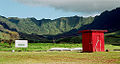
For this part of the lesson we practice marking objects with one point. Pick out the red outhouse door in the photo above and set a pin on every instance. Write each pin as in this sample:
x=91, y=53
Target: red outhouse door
x=93, y=40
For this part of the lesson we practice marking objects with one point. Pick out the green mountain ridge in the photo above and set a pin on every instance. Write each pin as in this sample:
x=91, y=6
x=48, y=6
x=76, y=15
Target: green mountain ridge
x=45, y=26
x=33, y=29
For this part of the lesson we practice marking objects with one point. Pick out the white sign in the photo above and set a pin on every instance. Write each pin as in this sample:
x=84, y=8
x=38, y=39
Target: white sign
x=21, y=43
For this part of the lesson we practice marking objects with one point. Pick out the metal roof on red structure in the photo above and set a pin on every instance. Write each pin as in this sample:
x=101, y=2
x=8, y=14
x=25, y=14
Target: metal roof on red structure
x=93, y=31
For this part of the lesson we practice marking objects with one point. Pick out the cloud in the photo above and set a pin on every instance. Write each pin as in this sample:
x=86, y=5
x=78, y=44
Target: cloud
x=85, y=6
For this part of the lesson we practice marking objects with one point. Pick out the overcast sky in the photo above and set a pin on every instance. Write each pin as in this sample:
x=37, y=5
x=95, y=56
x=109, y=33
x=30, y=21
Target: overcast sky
x=55, y=8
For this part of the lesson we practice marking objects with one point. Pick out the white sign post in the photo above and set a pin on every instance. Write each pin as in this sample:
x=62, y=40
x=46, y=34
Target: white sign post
x=21, y=43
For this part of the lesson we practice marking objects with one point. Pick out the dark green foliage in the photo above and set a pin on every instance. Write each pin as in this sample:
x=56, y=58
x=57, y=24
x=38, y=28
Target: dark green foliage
x=112, y=40
x=75, y=39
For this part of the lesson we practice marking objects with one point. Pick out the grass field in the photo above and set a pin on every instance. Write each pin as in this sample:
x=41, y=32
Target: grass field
x=47, y=46
x=59, y=58
x=38, y=46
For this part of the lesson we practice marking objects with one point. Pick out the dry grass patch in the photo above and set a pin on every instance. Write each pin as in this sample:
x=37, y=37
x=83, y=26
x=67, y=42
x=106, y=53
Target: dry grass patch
x=59, y=58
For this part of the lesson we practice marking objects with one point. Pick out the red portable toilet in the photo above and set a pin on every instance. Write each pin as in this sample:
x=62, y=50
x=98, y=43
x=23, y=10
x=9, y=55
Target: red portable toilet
x=93, y=40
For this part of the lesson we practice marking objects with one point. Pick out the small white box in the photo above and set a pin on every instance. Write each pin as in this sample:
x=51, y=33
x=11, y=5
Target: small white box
x=21, y=43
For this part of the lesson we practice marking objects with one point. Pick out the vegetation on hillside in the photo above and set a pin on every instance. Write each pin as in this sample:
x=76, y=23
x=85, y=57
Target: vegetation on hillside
x=108, y=20
x=64, y=29
x=44, y=26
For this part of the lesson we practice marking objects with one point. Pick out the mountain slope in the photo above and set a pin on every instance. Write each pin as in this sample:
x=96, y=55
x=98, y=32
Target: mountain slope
x=6, y=34
x=108, y=20
x=44, y=26
x=31, y=28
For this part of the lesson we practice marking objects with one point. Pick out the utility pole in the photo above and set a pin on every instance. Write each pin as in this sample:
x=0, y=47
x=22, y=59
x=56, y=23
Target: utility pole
x=54, y=40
